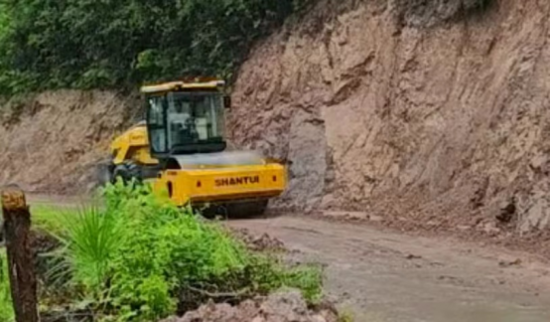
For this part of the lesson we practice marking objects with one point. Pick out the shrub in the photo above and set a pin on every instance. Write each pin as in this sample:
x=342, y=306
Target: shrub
x=141, y=258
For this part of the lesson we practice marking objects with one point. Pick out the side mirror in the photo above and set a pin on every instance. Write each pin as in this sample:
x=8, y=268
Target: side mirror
x=227, y=101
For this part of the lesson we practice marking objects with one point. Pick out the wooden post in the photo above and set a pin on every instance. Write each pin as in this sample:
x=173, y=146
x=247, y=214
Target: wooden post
x=17, y=223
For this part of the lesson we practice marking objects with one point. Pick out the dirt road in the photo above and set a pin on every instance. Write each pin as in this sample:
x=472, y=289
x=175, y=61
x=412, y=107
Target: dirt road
x=383, y=276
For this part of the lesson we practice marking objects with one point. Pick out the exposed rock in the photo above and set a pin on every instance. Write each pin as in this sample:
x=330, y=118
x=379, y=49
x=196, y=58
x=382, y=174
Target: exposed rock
x=490, y=228
x=510, y=263
x=287, y=306
x=437, y=119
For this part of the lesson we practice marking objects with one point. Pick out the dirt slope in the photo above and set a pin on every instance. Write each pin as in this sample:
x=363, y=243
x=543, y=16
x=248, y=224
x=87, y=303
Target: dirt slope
x=429, y=112
x=52, y=142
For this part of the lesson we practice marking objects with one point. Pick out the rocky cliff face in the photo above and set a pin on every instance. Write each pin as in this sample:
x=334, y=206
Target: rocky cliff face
x=428, y=111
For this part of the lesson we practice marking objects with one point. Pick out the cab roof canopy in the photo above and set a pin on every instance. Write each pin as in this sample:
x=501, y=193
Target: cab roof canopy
x=185, y=84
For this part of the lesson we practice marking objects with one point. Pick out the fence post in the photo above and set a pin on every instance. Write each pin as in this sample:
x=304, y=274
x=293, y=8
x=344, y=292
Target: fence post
x=17, y=223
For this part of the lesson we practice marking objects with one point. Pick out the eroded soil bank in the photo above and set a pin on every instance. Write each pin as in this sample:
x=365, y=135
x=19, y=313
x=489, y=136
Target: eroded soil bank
x=53, y=141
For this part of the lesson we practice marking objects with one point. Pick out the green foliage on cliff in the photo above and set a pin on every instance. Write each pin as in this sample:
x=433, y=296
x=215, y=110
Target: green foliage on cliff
x=48, y=44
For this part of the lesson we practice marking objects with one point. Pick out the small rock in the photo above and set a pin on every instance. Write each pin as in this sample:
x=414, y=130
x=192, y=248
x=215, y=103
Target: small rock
x=411, y=256
x=446, y=278
x=491, y=228
x=264, y=242
x=346, y=295
x=284, y=306
x=510, y=263
x=318, y=318
x=350, y=215
x=375, y=218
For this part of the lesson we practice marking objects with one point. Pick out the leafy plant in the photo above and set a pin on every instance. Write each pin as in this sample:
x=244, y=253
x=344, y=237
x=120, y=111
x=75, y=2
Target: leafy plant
x=140, y=258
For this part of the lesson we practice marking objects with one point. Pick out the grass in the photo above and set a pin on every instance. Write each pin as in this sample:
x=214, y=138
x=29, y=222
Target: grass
x=90, y=239
x=6, y=308
x=141, y=259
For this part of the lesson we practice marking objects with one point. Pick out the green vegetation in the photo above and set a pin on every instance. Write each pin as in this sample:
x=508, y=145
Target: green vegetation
x=139, y=258
x=48, y=44
x=6, y=308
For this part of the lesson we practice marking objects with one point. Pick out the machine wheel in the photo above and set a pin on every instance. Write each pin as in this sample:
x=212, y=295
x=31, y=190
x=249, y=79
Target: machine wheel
x=247, y=209
x=127, y=171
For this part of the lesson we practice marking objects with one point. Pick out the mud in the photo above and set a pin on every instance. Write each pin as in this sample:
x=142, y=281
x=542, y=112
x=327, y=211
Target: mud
x=284, y=306
x=385, y=276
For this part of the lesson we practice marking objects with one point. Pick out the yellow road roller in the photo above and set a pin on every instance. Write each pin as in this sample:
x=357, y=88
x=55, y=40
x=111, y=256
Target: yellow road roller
x=181, y=149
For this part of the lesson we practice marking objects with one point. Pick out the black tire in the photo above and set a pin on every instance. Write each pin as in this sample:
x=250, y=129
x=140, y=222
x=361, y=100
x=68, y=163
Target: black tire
x=127, y=171
x=247, y=209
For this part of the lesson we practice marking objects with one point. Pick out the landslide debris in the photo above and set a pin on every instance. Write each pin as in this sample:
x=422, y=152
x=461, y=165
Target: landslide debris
x=282, y=306
x=263, y=242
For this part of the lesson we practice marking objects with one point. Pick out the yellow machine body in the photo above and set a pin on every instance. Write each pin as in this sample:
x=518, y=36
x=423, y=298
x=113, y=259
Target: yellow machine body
x=227, y=184
x=195, y=182
x=133, y=145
